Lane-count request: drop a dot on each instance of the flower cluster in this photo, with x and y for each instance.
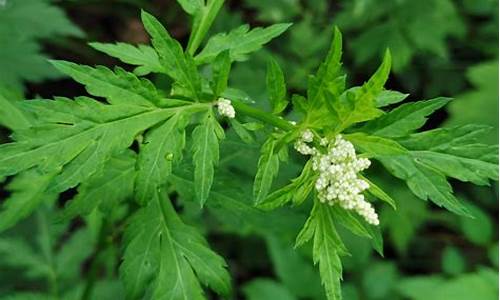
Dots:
(338, 181)
(225, 108)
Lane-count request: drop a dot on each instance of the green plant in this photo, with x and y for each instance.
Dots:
(127, 156)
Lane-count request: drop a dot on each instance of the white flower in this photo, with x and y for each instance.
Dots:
(225, 108)
(338, 181)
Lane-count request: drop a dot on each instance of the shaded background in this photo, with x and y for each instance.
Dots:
(440, 48)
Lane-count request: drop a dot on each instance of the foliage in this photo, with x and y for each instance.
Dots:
(161, 163)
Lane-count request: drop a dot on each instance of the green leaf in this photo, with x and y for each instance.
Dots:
(267, 170)
(12, 115)
(276, 87)
(388, 97)
(379, 193)
(425, 182)
(104, 189)
(404, 119)
(293, 269)
(326, 250)
(142, 56)
(118, 87)
(297, 191)
(75, 138)
(359, 104)
(162, 147)
(479, 230)
(375, 146)
(242, 132)
(191, 6)
(24, 26)
(266, 289)
(240, 42)
(452, 261)
(328, 78)
(456, 153)
(203, 19)
(221, 67)
(165, 254)
(178, 65)
(28, 191)
(205, 155)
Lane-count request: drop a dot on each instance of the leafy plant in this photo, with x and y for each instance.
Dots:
(130, 152)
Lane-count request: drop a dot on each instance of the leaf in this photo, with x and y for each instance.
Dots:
(266, 289)
(358, 105)
(162, 147)
(388, 97)
(177, 65)
(11, 115)
(28, 191)
(75, 138)
(374, 145)
(104, 189)
(242, 132)
(326, 250)
(203, 19)
(221, 67)
(328, 78)
(205, 155)
(297, 191)
(118, 87)
(379, 193)
(456, 153)
(478, 230)
(169, 256)
(425, 182)
(191, 6)
(267, 170)
(142, 56)
(404, 119)
(276, 87)
(293, 269)
(240, 42)
(24, 25)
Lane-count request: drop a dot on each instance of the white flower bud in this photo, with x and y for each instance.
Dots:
(225, 108)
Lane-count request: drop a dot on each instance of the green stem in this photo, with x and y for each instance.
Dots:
(258, 114)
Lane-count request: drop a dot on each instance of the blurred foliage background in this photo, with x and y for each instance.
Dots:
(440, 48)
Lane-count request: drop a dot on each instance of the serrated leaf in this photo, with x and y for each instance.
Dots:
(359, 104)
(276, 88)
(240, 42)
(327, 77)
(75, 138)
(118, 87)
(379, 193)
(205, 155)
(388, 97)
(297, 191)
(456, 152)
(375, 146)
(178, 65)
(161, 148)
(405, 118)
(142, 56)
(106, 189)
(11, 115)
(221, 67)
(28, 191)
(203, 19)
(425, 182)
(164, 253)
(242, 132)
(267, 170)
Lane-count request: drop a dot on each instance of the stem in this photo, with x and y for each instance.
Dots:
(262, 116)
